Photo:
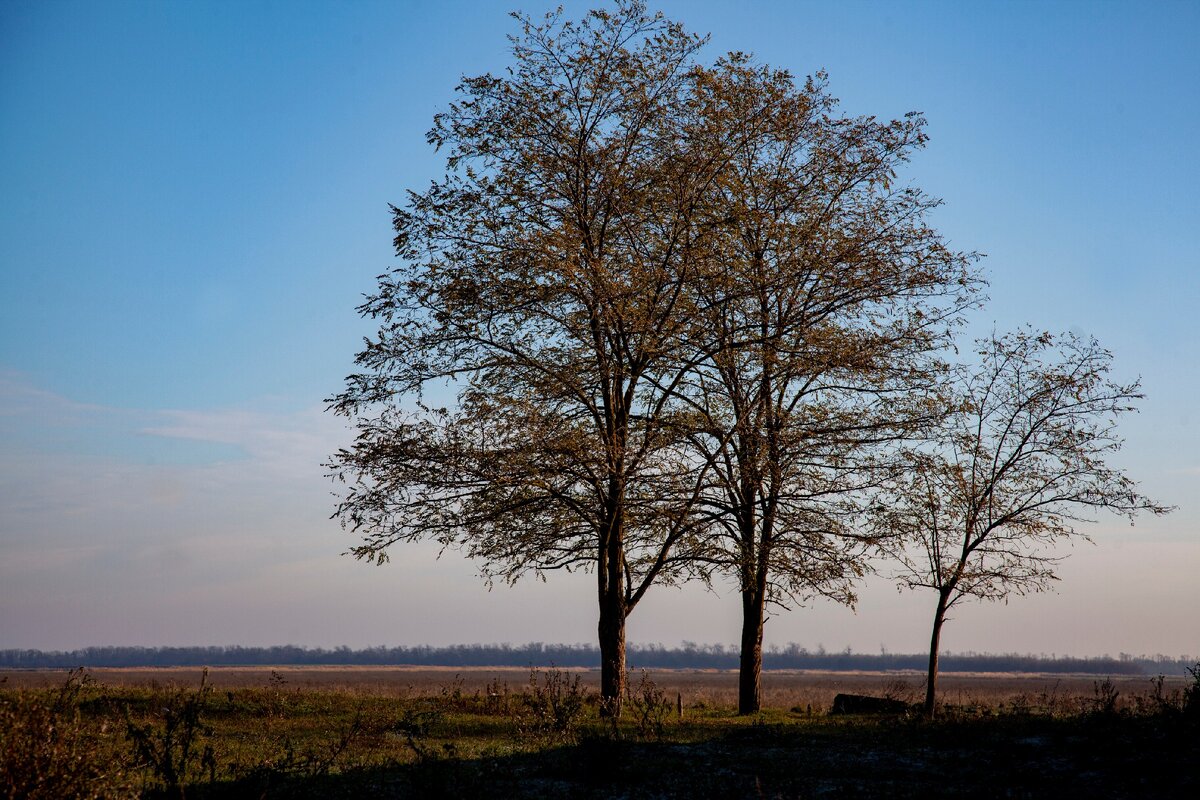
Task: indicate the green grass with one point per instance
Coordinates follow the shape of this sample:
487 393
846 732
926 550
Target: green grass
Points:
549 739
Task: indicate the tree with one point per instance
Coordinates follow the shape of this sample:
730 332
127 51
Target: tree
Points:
827 300
1018 461
544 280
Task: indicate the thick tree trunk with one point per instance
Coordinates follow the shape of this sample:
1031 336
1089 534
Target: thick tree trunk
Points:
612 655
750 674
613 611
939 617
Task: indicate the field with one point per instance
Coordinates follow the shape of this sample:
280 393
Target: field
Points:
397 732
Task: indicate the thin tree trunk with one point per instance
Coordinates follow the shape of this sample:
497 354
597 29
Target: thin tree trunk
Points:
939 617
750 674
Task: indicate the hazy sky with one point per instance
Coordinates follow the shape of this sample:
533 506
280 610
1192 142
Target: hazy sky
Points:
194 199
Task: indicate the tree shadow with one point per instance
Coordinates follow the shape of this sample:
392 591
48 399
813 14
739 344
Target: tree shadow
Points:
898 758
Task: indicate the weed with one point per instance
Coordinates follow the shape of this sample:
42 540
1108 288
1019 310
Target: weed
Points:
1159 701
452 695
177 752
1021 704
1104 698
1055 703
901 690
1191 694
555 704
497 697
650 706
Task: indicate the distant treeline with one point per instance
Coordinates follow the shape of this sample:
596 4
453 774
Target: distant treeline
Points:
687 656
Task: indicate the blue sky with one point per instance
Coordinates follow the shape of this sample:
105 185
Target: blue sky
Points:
195 198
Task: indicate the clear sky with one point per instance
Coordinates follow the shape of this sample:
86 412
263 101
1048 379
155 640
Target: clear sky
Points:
194 198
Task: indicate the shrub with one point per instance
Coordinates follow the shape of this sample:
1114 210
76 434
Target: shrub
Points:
1191 694
47 749
555 704
1104 698
650 706
177 752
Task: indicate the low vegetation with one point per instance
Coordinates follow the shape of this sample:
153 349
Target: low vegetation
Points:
548 737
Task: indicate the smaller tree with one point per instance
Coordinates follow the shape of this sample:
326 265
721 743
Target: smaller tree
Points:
1017 463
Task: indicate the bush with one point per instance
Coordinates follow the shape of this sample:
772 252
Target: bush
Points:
650 706
177 752
1104 698
47 749
555 704
1191 694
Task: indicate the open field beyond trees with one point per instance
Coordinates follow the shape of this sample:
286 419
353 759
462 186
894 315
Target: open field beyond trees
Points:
422 732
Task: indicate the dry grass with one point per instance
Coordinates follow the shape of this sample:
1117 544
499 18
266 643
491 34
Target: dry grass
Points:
716 688
313 732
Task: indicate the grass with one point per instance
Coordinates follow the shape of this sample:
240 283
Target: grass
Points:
546 737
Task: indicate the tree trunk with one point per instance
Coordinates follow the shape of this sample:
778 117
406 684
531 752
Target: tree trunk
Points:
939 617
612 655
613 611
750 674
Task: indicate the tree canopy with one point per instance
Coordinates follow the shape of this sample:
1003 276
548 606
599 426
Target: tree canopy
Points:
688 314
1020 458
827 298
545 279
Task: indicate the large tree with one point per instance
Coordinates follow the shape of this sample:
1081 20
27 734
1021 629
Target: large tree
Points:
828 299
545 282
1020 459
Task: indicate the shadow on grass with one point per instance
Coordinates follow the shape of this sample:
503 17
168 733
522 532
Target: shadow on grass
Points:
977 757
